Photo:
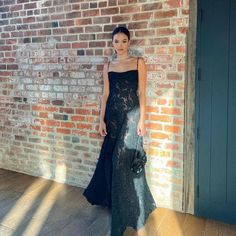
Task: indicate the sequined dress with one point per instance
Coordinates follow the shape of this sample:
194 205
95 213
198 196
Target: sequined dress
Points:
113 184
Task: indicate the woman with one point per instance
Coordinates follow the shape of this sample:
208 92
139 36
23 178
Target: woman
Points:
122 123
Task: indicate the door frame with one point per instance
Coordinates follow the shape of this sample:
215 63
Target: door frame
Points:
190 112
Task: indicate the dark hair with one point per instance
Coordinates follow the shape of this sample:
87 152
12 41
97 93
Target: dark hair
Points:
121 29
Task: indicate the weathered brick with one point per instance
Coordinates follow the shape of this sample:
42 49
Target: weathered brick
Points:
151 6
63 131
166 14
91 13
121 18
173 111
101 20
132 8
142 16
110 11
52 56
87 21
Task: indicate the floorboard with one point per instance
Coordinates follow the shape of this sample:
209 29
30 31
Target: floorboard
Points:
33 206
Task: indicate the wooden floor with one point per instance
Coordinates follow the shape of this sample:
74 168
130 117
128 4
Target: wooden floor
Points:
34 206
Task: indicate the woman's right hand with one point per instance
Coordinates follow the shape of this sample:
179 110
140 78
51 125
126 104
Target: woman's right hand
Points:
102 128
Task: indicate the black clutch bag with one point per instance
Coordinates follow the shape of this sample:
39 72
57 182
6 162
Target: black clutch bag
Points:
139 159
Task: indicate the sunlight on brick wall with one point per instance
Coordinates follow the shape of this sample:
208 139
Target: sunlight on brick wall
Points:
51 59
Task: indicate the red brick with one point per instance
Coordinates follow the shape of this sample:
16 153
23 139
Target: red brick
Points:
43 115
101 20
173 3
165 14
120 18
53 17
80 45
178 121
79 133
181 67
122 2
37 108
94 135
67 124
29 19
165 31
97 44
185 12
159 41
93 29
165 85
78 118
35 127
51 109
171 111
138 25
52 123
160 23
102 4
112 2
63 131
16 7
91 13
174 76
154 126
104 36
161 101
142 16
172 128
30 6
76 7
12 67
183 30
84 126
95 112
67 23
144 33
59 31
74 30
130 9
151 6
66 110
5 48
63 45
158 135
173 164
72 15
161 118
110 11
47 129
87 21
150 50
83 111
180 49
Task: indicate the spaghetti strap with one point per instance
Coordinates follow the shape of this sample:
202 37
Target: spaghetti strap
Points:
137 63
108 65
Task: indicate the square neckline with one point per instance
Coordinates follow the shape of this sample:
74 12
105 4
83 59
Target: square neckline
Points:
123 71
111 71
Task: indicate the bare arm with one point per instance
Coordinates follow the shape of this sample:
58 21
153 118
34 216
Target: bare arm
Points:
105 92
142 87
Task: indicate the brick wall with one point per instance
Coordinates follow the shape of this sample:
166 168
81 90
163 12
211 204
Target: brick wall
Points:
51 58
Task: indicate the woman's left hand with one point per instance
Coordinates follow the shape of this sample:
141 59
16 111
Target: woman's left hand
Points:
141 129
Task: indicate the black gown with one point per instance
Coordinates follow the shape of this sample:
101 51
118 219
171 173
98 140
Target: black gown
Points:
113 184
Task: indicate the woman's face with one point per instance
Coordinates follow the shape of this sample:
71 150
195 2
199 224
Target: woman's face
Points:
121 43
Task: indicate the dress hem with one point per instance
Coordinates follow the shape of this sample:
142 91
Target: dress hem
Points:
95 203
144 223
